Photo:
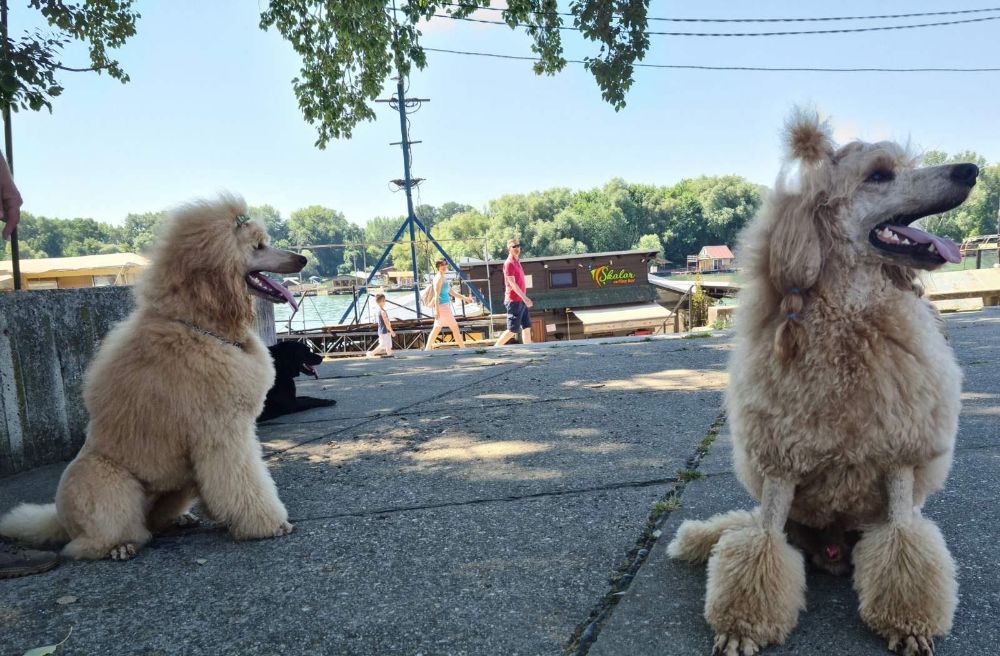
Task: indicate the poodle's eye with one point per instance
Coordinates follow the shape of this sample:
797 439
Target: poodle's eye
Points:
879 176
259 247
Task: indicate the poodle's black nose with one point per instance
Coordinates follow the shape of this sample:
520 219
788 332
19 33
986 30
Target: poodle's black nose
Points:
302 259
965 174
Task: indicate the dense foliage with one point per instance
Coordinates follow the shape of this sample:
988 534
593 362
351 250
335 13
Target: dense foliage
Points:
32 61
676 220
350 49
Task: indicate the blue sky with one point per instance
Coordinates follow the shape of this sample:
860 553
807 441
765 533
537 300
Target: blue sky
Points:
210 107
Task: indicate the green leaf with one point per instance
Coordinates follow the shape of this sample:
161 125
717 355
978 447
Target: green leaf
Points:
8 83
48 649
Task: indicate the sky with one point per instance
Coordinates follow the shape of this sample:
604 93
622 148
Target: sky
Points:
210 108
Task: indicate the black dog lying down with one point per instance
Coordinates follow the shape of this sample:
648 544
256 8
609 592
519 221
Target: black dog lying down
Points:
291 359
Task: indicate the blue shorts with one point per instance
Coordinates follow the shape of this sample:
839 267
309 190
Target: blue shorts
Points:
517 316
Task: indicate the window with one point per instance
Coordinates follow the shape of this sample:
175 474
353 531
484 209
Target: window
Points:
104 281
565 278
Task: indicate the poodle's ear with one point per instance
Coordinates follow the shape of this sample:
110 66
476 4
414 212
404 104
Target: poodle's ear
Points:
807 138
798 241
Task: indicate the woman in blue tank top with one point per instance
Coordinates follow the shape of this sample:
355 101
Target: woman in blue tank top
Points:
443 315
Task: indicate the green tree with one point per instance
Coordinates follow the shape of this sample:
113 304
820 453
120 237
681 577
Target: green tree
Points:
428 214
350 49
470 225
425 250
649 242
30 63
139 230
276 226
450 209
979 214
312 267
377 233
315 225
700 302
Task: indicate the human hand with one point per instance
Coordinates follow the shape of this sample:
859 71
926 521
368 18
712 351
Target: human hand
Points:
10 201
528 302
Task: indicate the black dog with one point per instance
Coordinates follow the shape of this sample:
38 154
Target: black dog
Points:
291 359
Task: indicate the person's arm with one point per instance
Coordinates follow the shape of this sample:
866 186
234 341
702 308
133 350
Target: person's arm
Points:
517 290
388 324
454 294
438 283
10 200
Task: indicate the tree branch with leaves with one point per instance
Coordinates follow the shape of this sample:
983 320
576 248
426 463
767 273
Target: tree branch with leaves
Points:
350 48
29 63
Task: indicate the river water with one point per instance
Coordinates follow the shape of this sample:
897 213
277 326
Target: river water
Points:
319 311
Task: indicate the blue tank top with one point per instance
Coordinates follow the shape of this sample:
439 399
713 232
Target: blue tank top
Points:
382 328
445 296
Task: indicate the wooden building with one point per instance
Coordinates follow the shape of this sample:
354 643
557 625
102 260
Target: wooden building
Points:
398 279
345 283
74 272
715 258
576 296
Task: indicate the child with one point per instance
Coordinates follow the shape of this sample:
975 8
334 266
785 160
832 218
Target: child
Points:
385 331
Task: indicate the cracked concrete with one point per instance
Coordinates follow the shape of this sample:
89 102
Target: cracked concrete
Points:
452 503
490 503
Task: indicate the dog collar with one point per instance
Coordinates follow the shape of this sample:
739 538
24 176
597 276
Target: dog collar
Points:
209 333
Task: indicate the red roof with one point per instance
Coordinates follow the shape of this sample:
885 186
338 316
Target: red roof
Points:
717 253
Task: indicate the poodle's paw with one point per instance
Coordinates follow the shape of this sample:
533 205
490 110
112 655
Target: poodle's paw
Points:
911 644
187 520
695 539
905 580
756 589
125 551
730 644
284 529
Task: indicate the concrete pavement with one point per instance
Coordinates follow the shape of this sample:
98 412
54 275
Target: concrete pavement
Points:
497 502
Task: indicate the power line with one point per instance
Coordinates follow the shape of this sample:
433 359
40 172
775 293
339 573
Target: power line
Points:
743 34
697 67
760 20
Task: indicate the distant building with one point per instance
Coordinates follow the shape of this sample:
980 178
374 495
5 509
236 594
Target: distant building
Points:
346 282
74 272
576 296
398 278
715 258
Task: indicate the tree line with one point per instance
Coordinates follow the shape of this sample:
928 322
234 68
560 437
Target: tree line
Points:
676 220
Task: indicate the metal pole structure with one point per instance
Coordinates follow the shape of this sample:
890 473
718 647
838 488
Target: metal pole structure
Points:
405 145
9 148
489 284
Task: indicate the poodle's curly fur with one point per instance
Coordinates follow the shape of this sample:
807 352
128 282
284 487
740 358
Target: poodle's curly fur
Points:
172 395
844 397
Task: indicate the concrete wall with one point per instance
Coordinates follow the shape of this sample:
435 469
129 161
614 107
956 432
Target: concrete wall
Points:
47 339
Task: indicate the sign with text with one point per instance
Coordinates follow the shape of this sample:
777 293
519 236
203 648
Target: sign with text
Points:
606 275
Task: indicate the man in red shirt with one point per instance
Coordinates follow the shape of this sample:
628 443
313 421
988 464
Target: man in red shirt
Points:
514 297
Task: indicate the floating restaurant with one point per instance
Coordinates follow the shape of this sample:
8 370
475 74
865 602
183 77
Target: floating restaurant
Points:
577 296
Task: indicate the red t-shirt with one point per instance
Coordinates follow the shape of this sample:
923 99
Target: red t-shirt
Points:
512 267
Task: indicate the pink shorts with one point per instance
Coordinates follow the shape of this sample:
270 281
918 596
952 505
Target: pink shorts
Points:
445 316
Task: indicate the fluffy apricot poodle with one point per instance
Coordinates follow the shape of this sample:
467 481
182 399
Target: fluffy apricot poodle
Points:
173 394
844 396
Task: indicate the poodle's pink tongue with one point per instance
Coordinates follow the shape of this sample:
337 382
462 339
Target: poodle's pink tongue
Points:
946 248
280 290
